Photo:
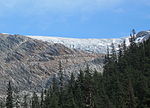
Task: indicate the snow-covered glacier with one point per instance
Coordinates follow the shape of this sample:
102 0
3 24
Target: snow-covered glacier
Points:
88 45
93 45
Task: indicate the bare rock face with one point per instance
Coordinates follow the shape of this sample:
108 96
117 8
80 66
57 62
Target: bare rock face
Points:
29 63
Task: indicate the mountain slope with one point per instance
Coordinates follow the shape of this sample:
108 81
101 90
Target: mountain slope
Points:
29 63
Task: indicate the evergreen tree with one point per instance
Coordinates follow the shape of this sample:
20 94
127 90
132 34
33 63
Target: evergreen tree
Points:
88 89
107 56
55 84
47 101
70 101
54 101
70 93
61 85
119 95
9 98
113 53
71 83
35 101
131 98
2 104
42 100
25 103
133 32
124 47
79 95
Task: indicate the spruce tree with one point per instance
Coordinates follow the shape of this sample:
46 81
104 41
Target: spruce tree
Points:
131 98
71 84
79 95
88 89
55 85
70 93
61 85
54 101
25 103
70 100
2 104
35 101
113 53
42 99
9 98
47 101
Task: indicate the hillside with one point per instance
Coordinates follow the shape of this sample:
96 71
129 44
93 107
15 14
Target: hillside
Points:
29 63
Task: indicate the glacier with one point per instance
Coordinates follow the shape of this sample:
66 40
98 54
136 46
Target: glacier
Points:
88 45
94 45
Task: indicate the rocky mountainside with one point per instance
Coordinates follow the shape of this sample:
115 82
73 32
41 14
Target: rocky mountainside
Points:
29 63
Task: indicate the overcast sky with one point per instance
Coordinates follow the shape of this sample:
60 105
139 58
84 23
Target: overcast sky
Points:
74 18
